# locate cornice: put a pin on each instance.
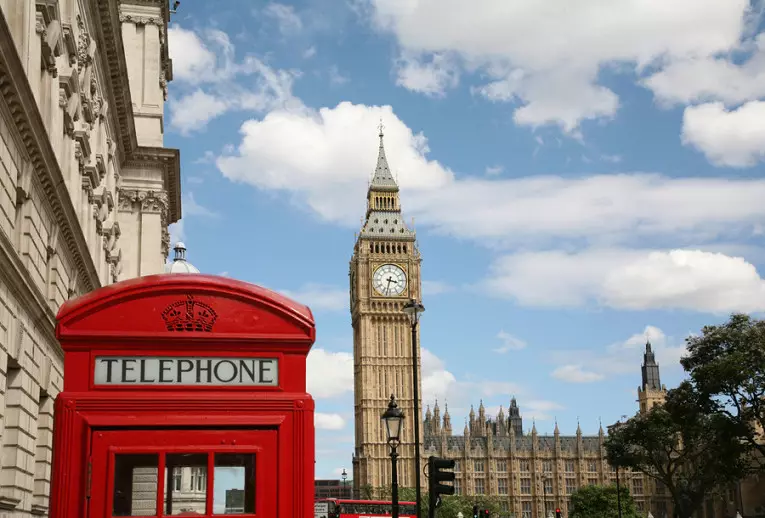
(106, 17)
(21, 102)
(170, 161)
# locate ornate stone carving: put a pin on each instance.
(70, 43)
(86, 50)
(165, 241)
(115, 261)
(163, 83)
(111, 237)
(126, 200)
(48, 27)
(141, 20)
(153, 202)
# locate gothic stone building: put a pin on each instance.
(535, 474)
(87, 192)
(384, 275)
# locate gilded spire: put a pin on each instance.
(382, 179)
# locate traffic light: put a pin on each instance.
(437, 474)
(475, 511)
(486, 513)
(558, 514)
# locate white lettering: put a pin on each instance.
(169, 370)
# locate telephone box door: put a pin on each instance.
(183, 473)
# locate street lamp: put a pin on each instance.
(344, 475)
(393, 418)
(413, 309)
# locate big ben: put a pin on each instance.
(384, 276)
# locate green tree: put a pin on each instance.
(690, 450)
(601, 502)
(726, 364)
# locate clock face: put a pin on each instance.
(389, 280)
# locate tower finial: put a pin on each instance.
(381, 127)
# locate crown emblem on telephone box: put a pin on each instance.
(189, 315)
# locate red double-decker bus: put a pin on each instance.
(339, 508)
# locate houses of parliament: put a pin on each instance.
(536, 473)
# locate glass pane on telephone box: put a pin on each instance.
(135, 485)
(234, 483)
(186, 483)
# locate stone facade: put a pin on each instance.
(382, 339)
(536, 474)
(86, 194)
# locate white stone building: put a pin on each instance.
(87, 192)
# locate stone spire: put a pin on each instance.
(436, 419)
(650, 369)
(382, 179)
(447, 420)
(557, 431)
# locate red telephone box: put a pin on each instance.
(184, 394)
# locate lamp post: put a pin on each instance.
(393, 418)
(413, 309)
(344, 476)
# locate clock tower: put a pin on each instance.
(384, 275)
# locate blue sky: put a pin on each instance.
(580, 177)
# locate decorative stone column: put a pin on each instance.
(142, 217)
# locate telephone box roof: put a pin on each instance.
(141, 299)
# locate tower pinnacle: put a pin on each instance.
(650, 369)
(382, 179)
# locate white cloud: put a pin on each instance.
(192, 60)
(207, 62)
(177, 233)
(319, 160)
(435, 288)
(709, 78)
(328, 421)
(195, 110)
(630, 279)
(309, 52)
(509, 343)
(431, 77)
(319, 363)
(617, 359)
(494, 170)
(319, 157)
(320, 297)
(336, 77)
(437, 382)
(289, 22)
(548, 54)
(733, 138)
(192, 208)
(540, 410)
(440, 384)
(576, 374)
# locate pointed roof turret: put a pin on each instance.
(384, 219)
(557, 431)
(382, 179)
(533, 427)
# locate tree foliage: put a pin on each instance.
(602, 502)
(726, 364)
(683, 445)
